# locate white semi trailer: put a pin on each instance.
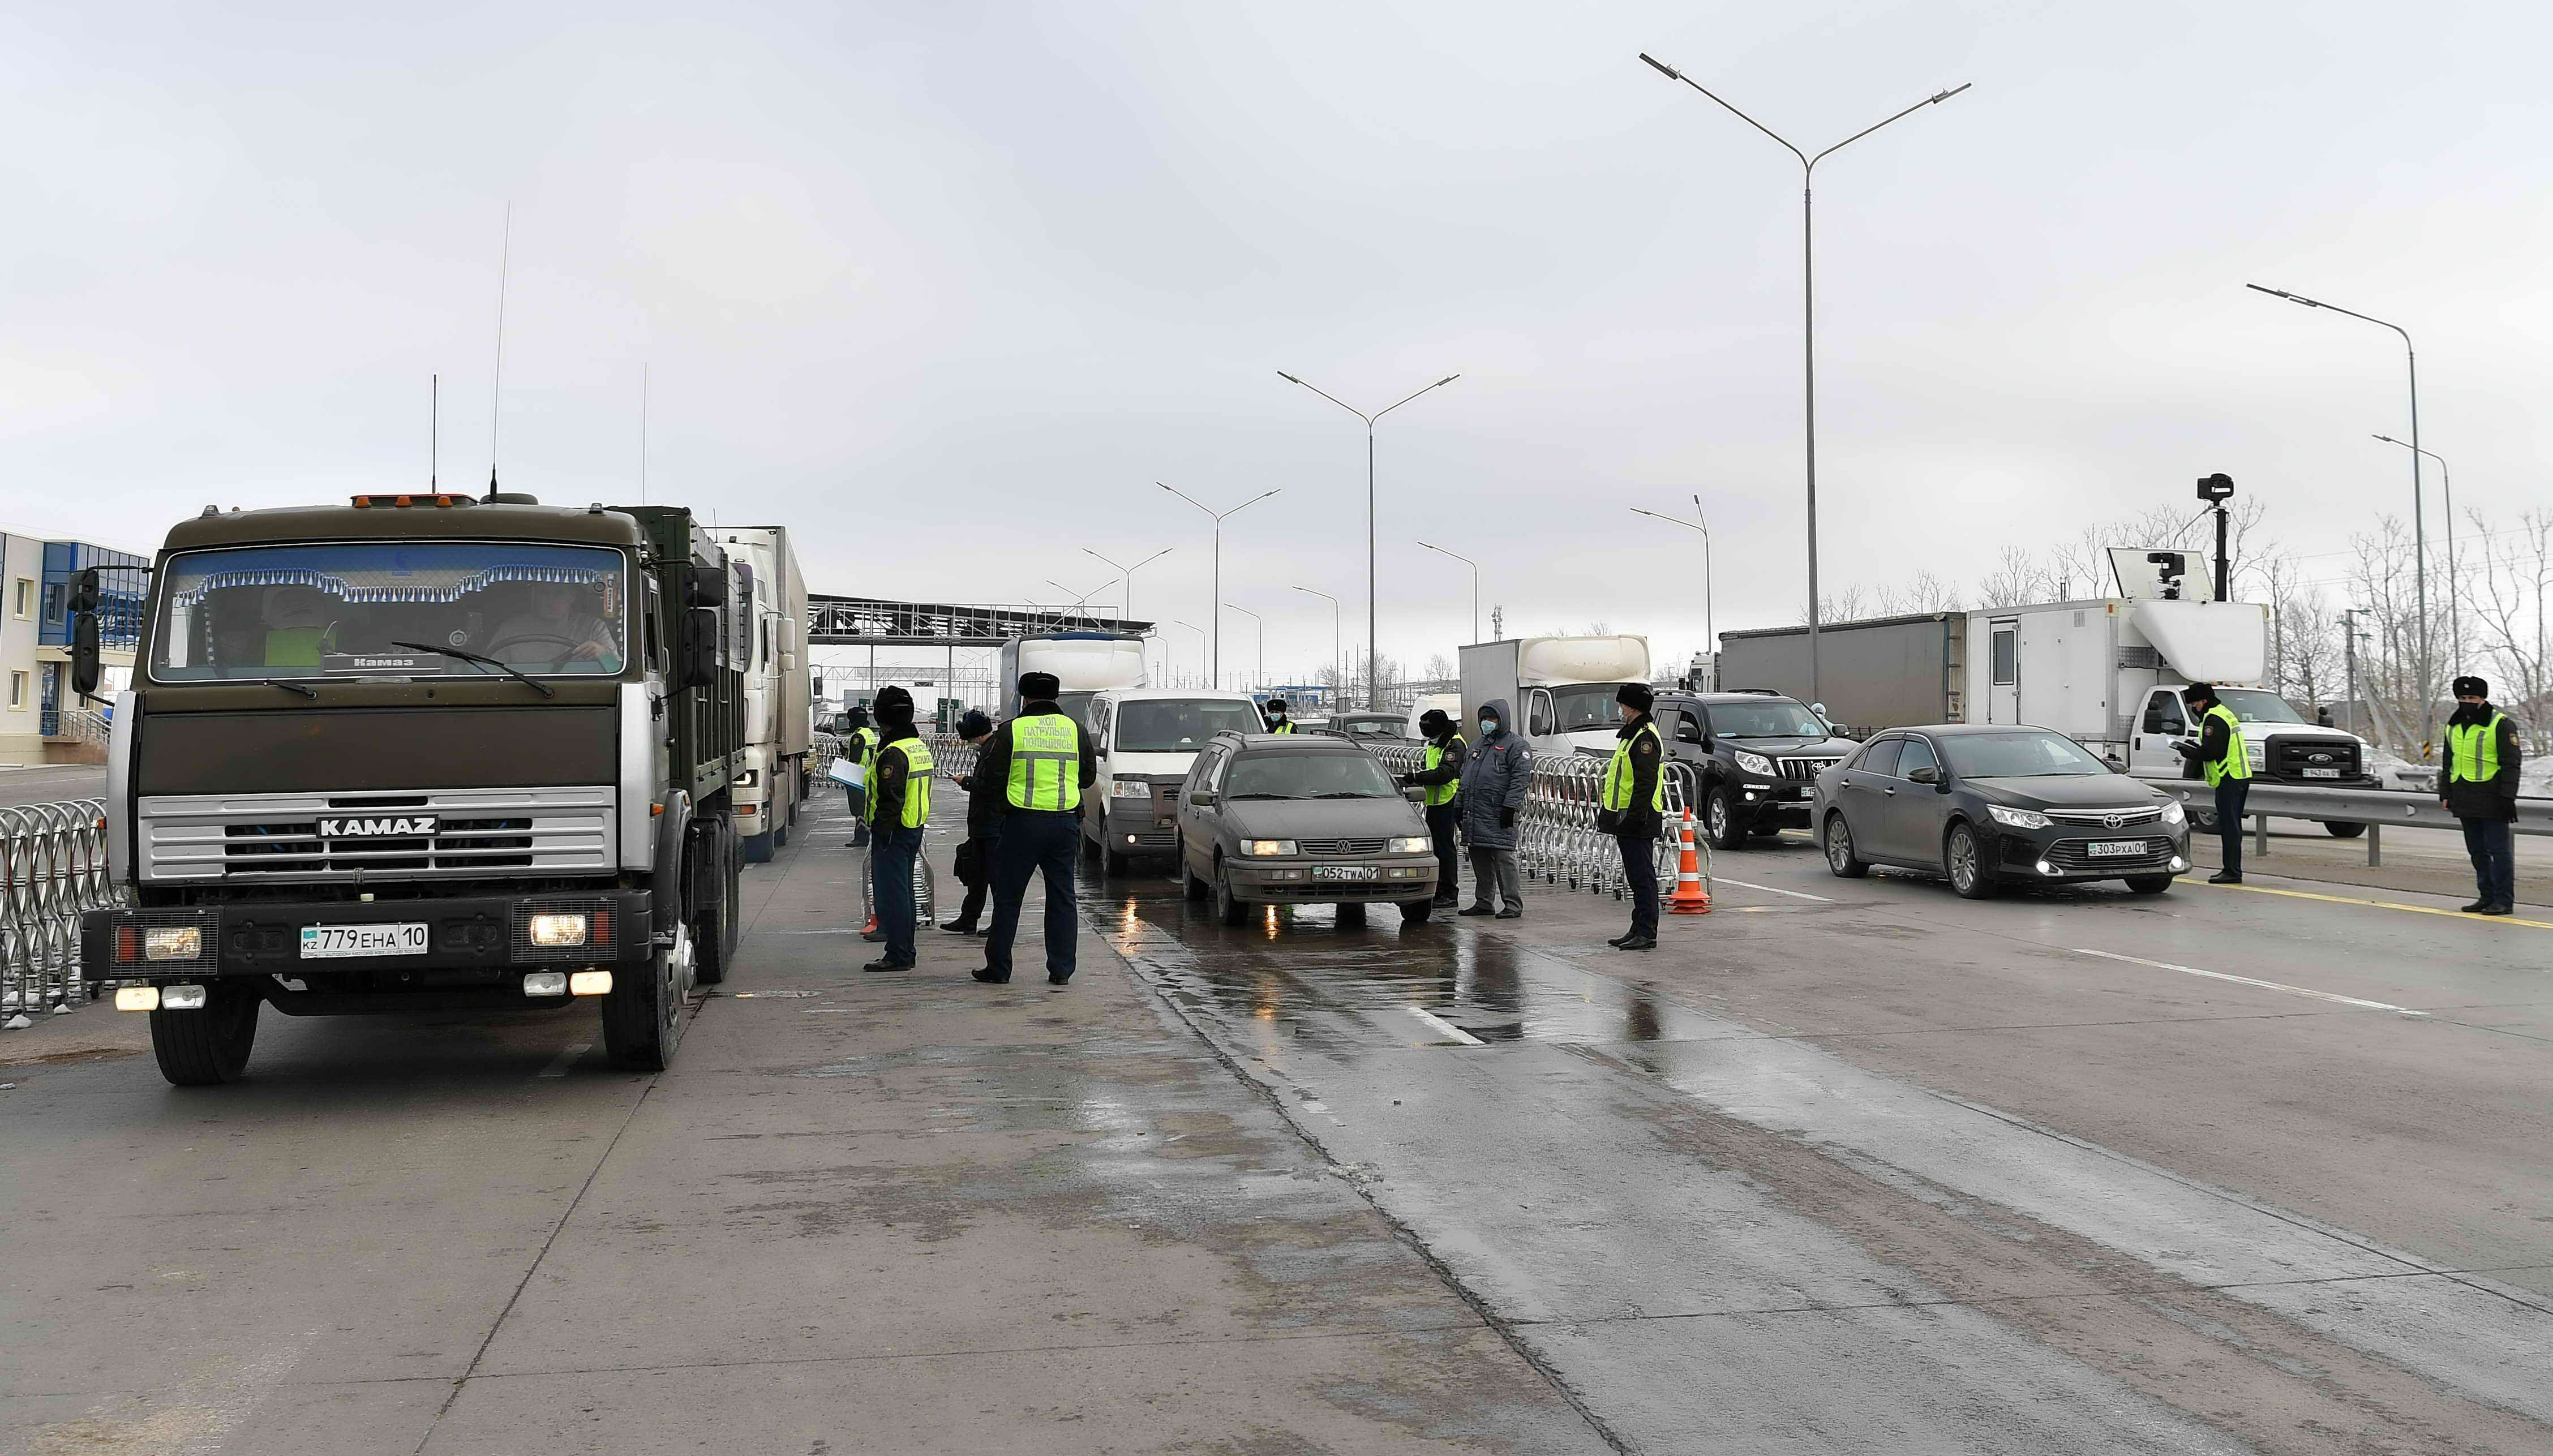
(1561, 688)
(779, 689)
(1085, 662)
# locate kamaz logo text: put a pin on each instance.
(404, 826)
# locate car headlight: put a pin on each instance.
(2172, 812)
(2255, 754)
(1267, 847)
(2020, 819)
(1412, 844)
(1758, 763)
(1130, 788)
(172, 943)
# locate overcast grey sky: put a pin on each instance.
(946, 287)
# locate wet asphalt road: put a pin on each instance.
(1846, 1166)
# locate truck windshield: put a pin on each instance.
(1773, 717)
(2020, 756)
(341, 609)
(2254, 706)
(1343, 775)
(1581, 708)
(1179, 724)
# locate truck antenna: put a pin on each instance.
(497, 386)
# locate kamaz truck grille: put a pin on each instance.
(437, 833)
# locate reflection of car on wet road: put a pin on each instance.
(1294, 820)
(1747, 759)
(1146, 738)
(1989, 805)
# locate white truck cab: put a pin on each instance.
(1561, 689)
(1146, 740)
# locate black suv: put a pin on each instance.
(1747, 760)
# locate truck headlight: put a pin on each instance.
(172, 943)
(1758, 763)
(553, 928)
(2172, 812)
(2020, 819)
(1267, 847)
(1412, 844)
(2256, 756)
(1130, 788)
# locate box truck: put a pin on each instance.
(778, 687)
(1085, 662)
(1561, 689)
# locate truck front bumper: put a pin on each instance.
(471, 935)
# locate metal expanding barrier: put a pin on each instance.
(53, 867)
(1557, 841)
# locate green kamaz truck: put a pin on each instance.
(421, 752)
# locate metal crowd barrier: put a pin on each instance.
(53, 867)
(1557, 841)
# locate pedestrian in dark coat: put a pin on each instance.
(974, 858)
(2479, 786)
(1496, 777)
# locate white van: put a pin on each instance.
(1146, 740)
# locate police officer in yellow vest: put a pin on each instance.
(898, 806)
(1277, 722)
(2226, 765)
(859, 746)
(1634, 802)
(1440, 773)
(1041, 763)
(2479, 788)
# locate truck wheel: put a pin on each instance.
(1227, 909)
(2149, 884)
(1963, 864)
(1840, 860)
(1415, 912)
(2339, 830)
(642, 1015)
(208, 1045)
(714, 931)
(1720, 820)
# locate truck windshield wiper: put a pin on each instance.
(276, 681)
(469, 656)
(1349, 794)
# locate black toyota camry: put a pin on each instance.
(1988, 805)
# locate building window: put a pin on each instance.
(17, 692)
(24, 602)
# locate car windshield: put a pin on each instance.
(342, 610)
(1373, 728)
(1179, 725)
(1584, 707)
(2254, 706)
(2020, 756)
(1280, 775)
(1773, 717)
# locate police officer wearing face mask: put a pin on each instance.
(2479, 786)
(1277, 722)
(1440, 774)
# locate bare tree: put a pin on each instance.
(2505, 596)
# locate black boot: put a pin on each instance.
(1475, 910)
(991, 977)
(885, 965)
(1638, 943)
(2226, 877)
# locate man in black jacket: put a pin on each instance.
(1442, 779)
(2479, 786)
(1629, 811)
(2222, 759)
(1040, 823)
(974, 860)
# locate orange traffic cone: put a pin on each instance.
(1690, 897)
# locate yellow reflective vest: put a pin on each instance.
(1620, 775)
(2237, 762)
(917, 782)
(1046, 762)
(2473, 751)
(1440, 795)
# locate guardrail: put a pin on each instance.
(53, 867)
(2374, 808)
(1557, 841)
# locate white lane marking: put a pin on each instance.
(1721, 879)
(1445, 1027)
(2245, 980)
(562, 1062)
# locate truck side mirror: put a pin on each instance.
(85, 669)
(699, 661)
(705, 586)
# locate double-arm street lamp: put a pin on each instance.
(1336, 661)
(1216, 667)
(2419, 528)
(1261, 679)
(1710, 639)
(2447, 488)
(1372, 655)
(1475, 582)
(1192, 626)
(1807, 303)
(1126, 609)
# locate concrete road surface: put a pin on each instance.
(1844, 1167)
(52, 783)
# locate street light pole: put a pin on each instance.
(2420, 528)
(1200, 632)
(2447, 487)
(1710, 635)
(1373, 634)
(1337, 660)
(1807, 303)
(1217, 668)
(1262, 634)
(1475, 584)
